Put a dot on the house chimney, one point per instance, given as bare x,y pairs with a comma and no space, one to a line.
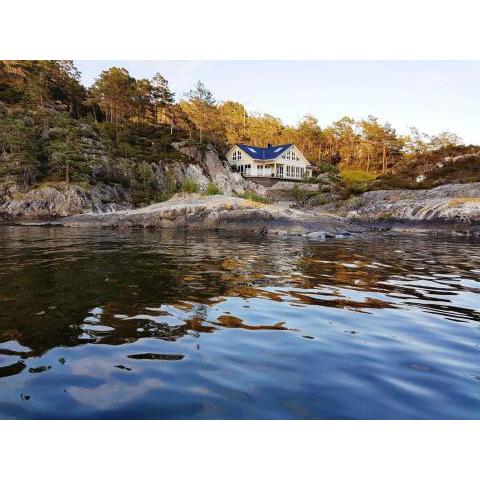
269,145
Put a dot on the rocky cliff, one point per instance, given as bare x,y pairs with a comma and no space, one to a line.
455,205
200,165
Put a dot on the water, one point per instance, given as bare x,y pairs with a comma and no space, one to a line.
108,324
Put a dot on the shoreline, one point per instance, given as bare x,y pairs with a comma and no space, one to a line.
219,215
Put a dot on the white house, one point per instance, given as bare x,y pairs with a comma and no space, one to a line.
278,161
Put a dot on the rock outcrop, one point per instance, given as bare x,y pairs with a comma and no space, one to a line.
456,204
202,165
59,201
217,212
209,168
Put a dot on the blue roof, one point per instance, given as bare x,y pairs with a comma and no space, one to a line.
268,153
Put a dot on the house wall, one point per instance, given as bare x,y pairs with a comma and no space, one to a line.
250,165
287,160
234,161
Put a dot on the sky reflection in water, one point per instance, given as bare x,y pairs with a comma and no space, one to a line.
102,324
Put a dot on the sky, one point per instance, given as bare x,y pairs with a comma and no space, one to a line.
432,95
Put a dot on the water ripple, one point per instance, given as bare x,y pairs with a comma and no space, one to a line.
101,324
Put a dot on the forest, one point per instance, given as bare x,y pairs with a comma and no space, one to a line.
45,110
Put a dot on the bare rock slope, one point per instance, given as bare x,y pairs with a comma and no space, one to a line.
218,212
202,165
59,200
453,204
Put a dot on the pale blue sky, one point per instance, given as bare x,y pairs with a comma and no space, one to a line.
432,95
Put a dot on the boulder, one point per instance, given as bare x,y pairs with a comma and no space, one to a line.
61,200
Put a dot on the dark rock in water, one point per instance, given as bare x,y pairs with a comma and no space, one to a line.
123,367
41,369
12,369
156,356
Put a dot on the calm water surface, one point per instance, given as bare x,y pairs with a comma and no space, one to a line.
102,324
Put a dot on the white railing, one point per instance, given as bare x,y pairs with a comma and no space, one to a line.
264,175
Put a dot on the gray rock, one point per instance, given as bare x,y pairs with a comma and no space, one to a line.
453,203
63,200
289,186
59,200
218,212
211,169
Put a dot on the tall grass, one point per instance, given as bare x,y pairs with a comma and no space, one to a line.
255,197
213,189
189,186
357,176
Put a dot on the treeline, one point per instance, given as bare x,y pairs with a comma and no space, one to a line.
118,99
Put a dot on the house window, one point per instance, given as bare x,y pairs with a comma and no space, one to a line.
260,170
237,155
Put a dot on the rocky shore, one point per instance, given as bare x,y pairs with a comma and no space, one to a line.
450,208
453,208
218,212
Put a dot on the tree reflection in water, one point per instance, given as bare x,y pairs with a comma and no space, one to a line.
63,288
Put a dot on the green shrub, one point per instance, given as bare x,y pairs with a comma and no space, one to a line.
317,200
357,176
213,189
299,194
325,167
255,197
189,186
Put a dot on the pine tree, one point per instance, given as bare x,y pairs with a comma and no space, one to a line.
162,97
201,108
